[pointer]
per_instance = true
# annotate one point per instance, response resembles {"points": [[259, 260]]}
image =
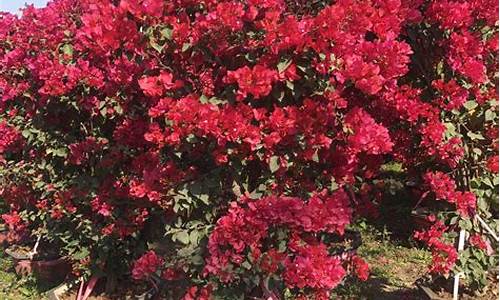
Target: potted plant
{"points": [[45, 264]]}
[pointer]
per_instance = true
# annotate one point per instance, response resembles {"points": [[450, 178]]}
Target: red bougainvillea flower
{"points": [[10, 138], [444, 254], [12, 219], [361, 268], [368, 136], [196, 293], [157, 85], [492, 164], [313, 267], [444, 188], [477, 241], [441, 184], [146, 265], [256, 81], [82, 151]]}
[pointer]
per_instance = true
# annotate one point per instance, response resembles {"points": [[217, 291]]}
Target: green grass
{"points": [[394, 267], [389, 258], [13, 287]]}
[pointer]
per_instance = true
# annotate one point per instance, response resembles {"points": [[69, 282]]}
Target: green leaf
{"points": [[395, 167], [246, 265], [274, 164], [439, 68], [488, 182], [83, 253], [278, 94], [182, 236], [236, 189], [470, 105], [24, 291], [194, 237], [450, 128], [26, 134], [302, 68], [61, 152], [118, 109], [334, 186], [67, 49], [103, 111], [156, 46], [465, 224], [166, 33], [315, 156], [255, 194], [482, 205], [204, 198], [489, 115], [216, 101], [204, 99], [475, 136], [283, 65], [186, 47]]}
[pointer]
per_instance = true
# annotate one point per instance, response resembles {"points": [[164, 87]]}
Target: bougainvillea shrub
{"points": [[225, 147]]}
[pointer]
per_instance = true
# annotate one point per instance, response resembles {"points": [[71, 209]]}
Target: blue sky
{"points": [[14, 5]]}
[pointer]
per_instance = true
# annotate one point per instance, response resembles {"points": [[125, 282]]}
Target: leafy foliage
{"points": [[222, 147]]}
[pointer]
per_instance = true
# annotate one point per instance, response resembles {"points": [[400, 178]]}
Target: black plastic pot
{"points": [[49, 270]]}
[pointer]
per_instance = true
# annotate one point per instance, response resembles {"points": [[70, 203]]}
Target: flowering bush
{"points": [[226, 145]]}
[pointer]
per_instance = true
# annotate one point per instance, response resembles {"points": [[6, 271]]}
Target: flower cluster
{"points": [[361, 268], [256, 81], [11, 140], [146, 265], [444, 189], [81, 152], [444, 254], [477, 241], [313, 267], [245, 227], [368, 136]]}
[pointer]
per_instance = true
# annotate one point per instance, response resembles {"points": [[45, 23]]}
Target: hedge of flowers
{"points": [[226, 146]]}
